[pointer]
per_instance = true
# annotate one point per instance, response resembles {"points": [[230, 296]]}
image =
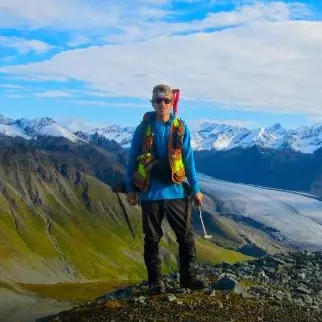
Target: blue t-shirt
{"points": [[158, 190]]}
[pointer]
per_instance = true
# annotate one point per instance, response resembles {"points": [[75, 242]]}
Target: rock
{"points": [[303, 290], [307, 299], [289, 297], [259, 271], [227, 284], [278, 261], [279, 296], [171, 298], [225, 265], [299, 302], [141, 299], [268, 269], [295, 277], [275, 302], [220, 305], [246, 295], [121, 294], [259, 290], [302, 275]]}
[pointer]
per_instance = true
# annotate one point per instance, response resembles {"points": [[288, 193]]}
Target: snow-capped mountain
{"points": [[33, 128], [306, 139], [207, 136], [122, 136], [225, 137]]}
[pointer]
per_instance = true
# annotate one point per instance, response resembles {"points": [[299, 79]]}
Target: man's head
{"points": [[162, 101]]}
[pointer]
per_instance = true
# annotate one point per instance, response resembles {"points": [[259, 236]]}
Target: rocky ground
{"points": [[283, 287]]}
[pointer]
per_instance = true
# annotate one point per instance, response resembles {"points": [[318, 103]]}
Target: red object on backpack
{"points": [[176, 95]]}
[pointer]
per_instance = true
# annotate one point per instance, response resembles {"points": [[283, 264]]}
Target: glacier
{"points": [[295, 218]]}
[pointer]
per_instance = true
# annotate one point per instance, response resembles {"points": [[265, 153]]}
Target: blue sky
{"points": [[247, 63]]}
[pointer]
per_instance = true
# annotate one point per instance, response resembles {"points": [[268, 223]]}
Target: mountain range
{"points": [[208, 136], [272, 157], [61, 221]]}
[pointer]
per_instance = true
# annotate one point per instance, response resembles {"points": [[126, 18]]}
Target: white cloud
{"points": [[132, 18], [95, 93], [14, 96], [53, 94], [271, 66], [11, 86], [264, 62], [24, 46], [109, 104], [78, 41], [74, 14], [274, 11]]}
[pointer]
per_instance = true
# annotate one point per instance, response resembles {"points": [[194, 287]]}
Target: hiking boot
{"points": [[157, 288], [193, 283]]}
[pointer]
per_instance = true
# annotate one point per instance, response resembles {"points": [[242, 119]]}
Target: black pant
{"points": [[179, 215]]}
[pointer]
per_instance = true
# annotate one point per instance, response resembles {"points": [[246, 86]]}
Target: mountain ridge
{"points": [[208, 135], [283, 169]]}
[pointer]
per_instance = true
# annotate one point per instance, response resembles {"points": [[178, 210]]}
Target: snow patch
{"points": [[12, 130], [56, 130]]}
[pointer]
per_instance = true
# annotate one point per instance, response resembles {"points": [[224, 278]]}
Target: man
{"points": [[160, 158]]}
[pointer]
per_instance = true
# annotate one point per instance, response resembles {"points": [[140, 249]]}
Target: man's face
{"points": [[162, 107]]}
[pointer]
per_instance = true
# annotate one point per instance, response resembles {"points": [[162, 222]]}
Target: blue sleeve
{"points": [[132, 162], [189, 162]]}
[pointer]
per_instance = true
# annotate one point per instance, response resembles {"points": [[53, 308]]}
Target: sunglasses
{"points": [[160, 100]]}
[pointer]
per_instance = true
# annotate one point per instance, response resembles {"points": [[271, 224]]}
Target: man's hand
{"points": [[132, 198], [198, 198]]}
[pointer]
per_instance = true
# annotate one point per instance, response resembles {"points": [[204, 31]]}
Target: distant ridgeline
{"points": [[283, 169], [272, 157]]}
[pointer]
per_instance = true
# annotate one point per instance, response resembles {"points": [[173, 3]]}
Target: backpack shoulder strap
{"points": [[179, 126], [177, 134], [147, 132]]}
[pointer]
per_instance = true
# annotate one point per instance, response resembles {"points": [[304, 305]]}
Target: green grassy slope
{"points": [[65, 225], [89, 240]]}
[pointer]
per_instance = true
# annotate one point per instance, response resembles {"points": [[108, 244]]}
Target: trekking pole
{"points": [[117, 189], [206, 236]]}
